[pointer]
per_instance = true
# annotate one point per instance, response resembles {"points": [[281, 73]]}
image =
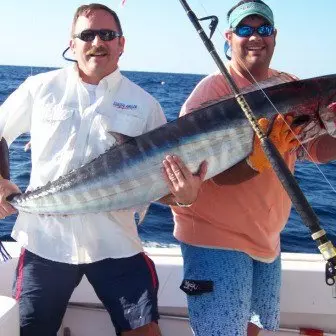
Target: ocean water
{"points": [[171, 90]]}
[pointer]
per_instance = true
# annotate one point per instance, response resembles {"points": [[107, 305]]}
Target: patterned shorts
{"points": [[227, 289]]}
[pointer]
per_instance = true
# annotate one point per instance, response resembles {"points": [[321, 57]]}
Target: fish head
{"points": [[327, 108], [317, 108], [327, 89]]}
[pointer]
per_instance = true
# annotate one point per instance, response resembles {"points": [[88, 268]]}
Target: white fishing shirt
{"points": [[68, 131]]}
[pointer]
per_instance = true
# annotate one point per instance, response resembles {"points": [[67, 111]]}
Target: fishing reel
{"points": [[212, 25]]}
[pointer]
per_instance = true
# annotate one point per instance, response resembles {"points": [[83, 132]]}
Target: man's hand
{"points": [[328, 117], [7, 188], [282, 136], [182, 183]]}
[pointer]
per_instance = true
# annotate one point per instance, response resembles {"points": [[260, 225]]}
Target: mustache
{"points": [[94, 50]]}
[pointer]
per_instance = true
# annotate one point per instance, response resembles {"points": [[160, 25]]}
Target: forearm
{"points": [[237, 174], [323, 149], [168, 200]]}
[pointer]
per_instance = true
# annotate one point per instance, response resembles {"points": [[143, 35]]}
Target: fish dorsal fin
{"points": [[120, 138], [279, 78]]}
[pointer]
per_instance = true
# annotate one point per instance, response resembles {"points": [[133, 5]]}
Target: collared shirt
{"points": [[67, 131]]}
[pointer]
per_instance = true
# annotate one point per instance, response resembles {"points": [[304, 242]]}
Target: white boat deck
{"points": [[306, 301]]}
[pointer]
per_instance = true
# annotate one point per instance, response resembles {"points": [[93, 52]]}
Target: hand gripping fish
{"points": [[128, 175]]}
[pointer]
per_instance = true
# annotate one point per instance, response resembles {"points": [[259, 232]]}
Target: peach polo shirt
{"points": [[247, 217]]}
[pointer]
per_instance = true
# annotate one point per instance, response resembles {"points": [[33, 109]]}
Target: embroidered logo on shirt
{"points": [[124, 106]]}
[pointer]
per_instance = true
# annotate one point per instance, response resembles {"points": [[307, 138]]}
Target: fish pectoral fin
{"points": [[120, 138]]}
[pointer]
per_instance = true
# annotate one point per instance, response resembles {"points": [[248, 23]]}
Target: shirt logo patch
{"points": [[124, 106]]}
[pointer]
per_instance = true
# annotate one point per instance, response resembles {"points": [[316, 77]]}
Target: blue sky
{"points": [[160, 37]]}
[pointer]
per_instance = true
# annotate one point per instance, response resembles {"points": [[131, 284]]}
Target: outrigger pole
{"points": [[285, 176]]}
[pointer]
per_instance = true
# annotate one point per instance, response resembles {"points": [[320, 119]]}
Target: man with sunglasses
{"points": [[72, 114], [230, 236]]}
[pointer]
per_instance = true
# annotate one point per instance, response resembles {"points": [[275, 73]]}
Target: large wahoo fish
{"points": [[129, 175]]}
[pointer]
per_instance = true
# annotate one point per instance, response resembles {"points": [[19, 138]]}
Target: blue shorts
{"points": [[127, 287], [227, 289]]}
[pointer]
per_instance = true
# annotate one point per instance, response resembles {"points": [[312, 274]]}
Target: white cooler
{"points": [[9, 317]]}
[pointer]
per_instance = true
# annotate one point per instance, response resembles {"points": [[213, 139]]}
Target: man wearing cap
{"points": [[230, 236]]}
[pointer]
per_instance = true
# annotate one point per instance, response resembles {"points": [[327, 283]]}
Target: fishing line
{"points": [[286, 178], [274, 107], [280, 167]]}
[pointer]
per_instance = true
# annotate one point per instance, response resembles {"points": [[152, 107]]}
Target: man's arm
{"points": [[15, 118], [322, 149], [325, 148], [182, 183], [168, 200], [15, 113]]}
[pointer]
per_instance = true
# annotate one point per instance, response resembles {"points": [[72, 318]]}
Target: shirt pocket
{"points": [[54, 119], [54, 114], [123, 123], [51, 128]]}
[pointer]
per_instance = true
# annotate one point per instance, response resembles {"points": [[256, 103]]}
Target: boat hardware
{"points": [[184, 317]]}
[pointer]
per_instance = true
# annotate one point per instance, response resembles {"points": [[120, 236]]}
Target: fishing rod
{"points": [[285, 176]]}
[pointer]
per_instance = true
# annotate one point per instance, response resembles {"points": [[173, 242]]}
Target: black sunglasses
{"points": [[247, 31], [89, 35]]}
